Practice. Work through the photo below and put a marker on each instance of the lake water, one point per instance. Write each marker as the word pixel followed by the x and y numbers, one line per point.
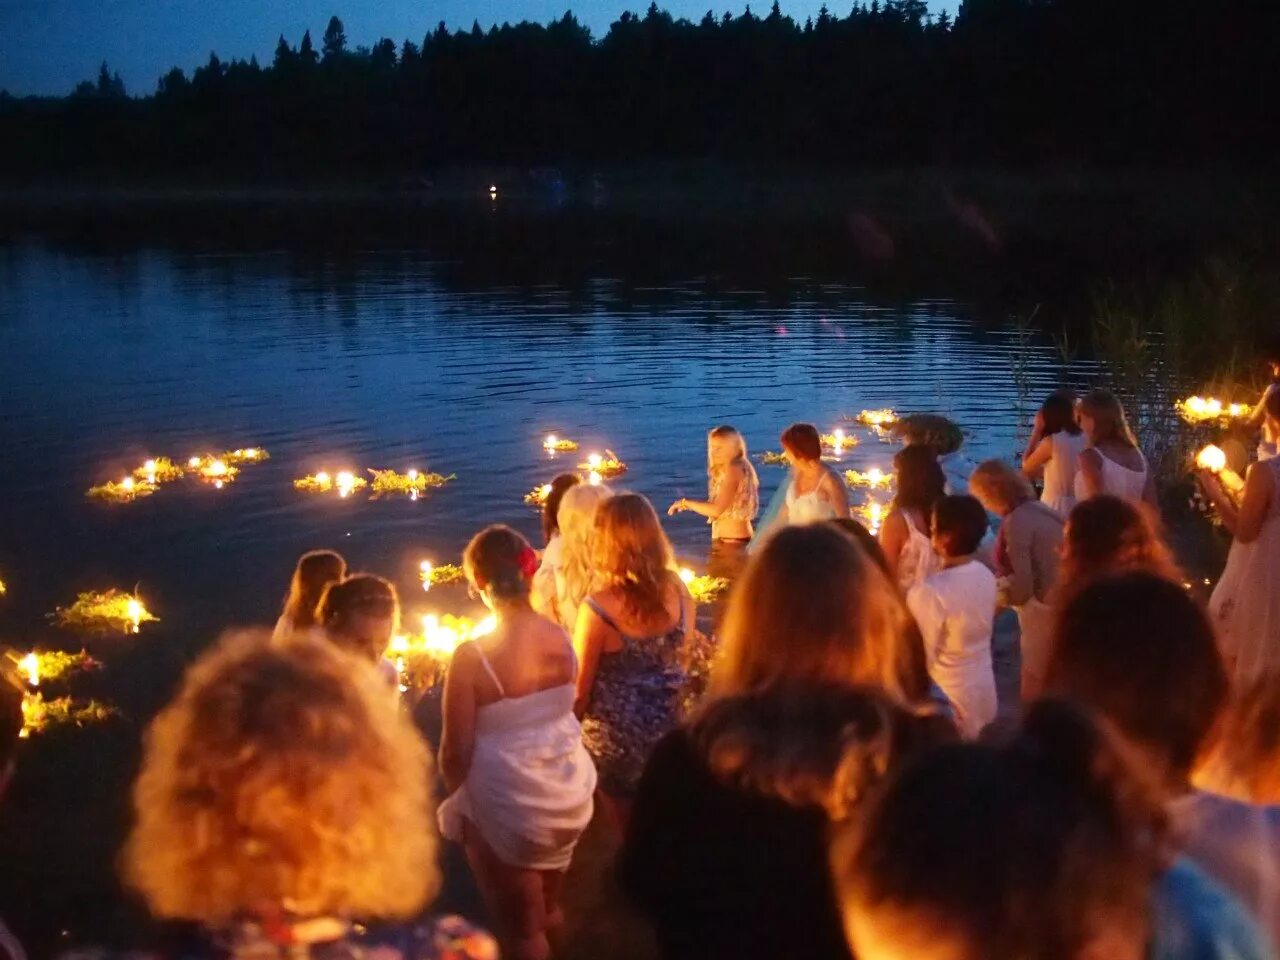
pixel 381 360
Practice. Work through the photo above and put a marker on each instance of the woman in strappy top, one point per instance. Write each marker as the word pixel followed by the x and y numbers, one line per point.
pixel 733 501
pixel 1112 463
pixel 520 782
pixel 1053 451
pixel 629 639
pixel 815 492
pixel 905 533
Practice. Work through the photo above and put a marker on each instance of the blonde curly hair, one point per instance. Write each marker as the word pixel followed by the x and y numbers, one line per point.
pixel 577 517
pixel 282 778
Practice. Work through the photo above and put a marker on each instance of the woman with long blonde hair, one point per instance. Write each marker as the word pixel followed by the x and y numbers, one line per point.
pixel 733 500
pixel 316 569
pixel 1112 463
pixel 283 800
pixel 559 595
pixel 629 637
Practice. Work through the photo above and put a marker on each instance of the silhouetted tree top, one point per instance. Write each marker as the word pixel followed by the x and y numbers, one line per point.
pixel 1004 82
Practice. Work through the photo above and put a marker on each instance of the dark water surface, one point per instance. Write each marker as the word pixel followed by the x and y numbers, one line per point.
pixel 378 360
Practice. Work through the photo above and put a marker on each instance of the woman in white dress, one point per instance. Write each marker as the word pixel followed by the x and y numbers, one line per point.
pixel 544 581
pixel 314 572
pixel 815 491
pixel 1246 602
pixel 560 590
pixel 905 534
pixel 519 780
pixel 1053 452
pixel 1112 463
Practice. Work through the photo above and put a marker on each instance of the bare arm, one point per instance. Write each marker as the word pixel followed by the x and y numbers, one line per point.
pixel 1037 457
pixel 837 494
pixel 1034 442
pixel 458 736
pixel 589 637
pixel 1259 415
pixel 1244 522
pixel 893 537
pixel 1090 468
pixel 713 509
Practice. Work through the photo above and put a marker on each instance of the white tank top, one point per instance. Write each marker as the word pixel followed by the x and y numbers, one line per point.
pixel 807 507
pixel 1060 471
pixel 1118 481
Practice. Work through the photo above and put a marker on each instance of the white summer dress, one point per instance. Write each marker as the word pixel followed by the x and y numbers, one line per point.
pixel 1246 602
pixel 804 508
pixel 1118 481
pixel 529 789
pixel 1060 471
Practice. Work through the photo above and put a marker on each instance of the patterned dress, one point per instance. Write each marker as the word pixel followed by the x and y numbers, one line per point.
pixel 635 701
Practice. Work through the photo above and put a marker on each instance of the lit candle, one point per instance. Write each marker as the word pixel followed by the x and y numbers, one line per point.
pixel 426 567
pixel 322 477
pixel 550 442
pixel 686 575
pixel 594 461
pixel 127 484
pixel 413 474
pixel 30 665
pixel 1211 458
pixel 839 436
pixel 594 479
pixel 135 612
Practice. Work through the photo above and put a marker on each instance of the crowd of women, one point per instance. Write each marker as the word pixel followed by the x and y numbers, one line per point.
pixel 846 784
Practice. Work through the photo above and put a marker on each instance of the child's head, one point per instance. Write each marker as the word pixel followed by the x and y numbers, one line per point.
pixel 802 443
pixel 1043 848
pixel 360 614
pixel 631 553
pixel 725 445
pixel 1102 418
pixel 813 606
pixel 500 564
pixel 959 524
pixel 999 487
pixel 1139 650
pixel 1106 534
pixel 315 571
pixel 1059 413
pixel 1244 759
pixel 551 506
pixel 931 430
pixel 920 480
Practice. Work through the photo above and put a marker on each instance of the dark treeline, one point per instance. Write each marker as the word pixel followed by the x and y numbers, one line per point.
pixel 1004 82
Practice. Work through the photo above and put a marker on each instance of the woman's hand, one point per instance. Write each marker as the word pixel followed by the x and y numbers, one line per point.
pixel 680 506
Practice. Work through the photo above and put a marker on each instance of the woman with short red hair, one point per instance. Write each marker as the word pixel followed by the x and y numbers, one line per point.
pixel 815 491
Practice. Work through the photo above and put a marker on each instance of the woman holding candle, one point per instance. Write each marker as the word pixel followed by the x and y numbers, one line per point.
pixel 1054 449
pixel 733 501
pixel 519 781
pixel 629 638
pixel 1027 554
pixel 1112 463
pixel 315 571
pixel 905 533
pixel 1246 602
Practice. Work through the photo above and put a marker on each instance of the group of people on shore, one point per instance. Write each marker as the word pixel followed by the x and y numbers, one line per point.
pixel 844 786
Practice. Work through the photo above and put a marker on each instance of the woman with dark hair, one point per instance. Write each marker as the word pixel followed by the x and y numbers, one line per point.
pixel 314 572
pixel 1054 449
pixel 815 492
pixel 544 581
pixel 905 533
pixel 1111 463
pixel 1044 848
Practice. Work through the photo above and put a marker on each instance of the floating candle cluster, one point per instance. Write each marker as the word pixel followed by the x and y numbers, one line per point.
pixel 875 478
pixel 553 444
pixel 411 483
pixel 704 589
pixel 877 418
pixel 1197 410
pixel 52 665
pixel 872 514
pixel 438 576
pixel 105 612
pixel 773 458
pixel 421 658
pixel 214 469
pixel 837 441
pixel 345 482
pixel 538 495
pixel 601 467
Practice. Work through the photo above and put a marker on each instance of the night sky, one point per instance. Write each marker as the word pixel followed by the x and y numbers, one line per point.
pixel 47 46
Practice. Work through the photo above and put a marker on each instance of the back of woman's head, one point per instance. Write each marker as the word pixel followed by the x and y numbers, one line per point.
pixel 315 571
pixel 812 606
pixel 501 562
pixel 1244 759
pixel 551 506
pixel 631 553
pixel 999 485
pixel 359 613
pixel 1059 412
pixel 282 779
pixel 1106 534
pixel 1106 412
pixel 866 540
pixel 1032 850
pixel 921 482
pixel 1138 649
pixel 820 745
pixel 802 441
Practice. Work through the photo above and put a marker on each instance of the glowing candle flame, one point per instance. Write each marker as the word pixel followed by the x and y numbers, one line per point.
pixel 550 442
pixel 594 479
pixel 30 665
pixel 426 567
pixel 218 468
pixel 127 484
pixel 193 462
pixel 1211 458
pixel 413 474
pixel 493 192
pixel 135 611
pixel 686 575
pixel 839 435
pixel 251 453
pixel 322 477
pixel 346 483
pixel 594 461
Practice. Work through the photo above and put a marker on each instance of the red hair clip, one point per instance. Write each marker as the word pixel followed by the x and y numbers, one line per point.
pixel 528 561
